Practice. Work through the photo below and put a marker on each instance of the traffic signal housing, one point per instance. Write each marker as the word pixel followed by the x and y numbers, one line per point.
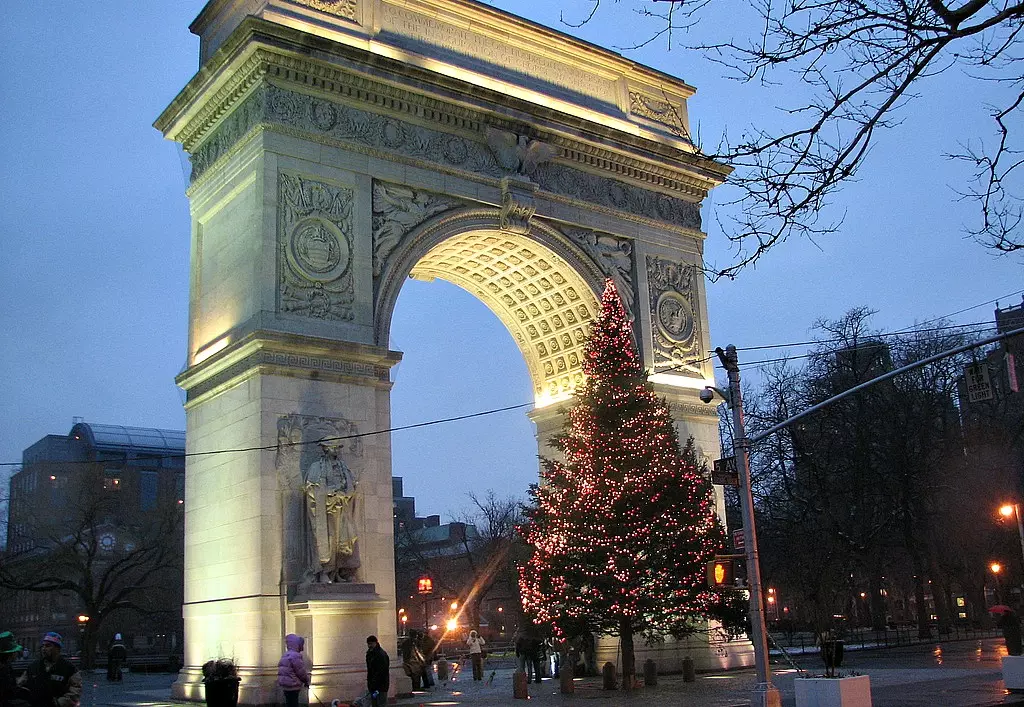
pixel 721 573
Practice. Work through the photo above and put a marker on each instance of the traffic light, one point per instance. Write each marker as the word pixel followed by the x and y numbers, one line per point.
pixel 721 573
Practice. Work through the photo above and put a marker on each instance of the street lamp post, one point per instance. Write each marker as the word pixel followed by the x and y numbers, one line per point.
pixel 996 568
pixel 765 694
pixel 1013 509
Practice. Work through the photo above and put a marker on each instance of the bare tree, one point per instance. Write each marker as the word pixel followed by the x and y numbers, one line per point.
pixel 103 564
pixel 851 67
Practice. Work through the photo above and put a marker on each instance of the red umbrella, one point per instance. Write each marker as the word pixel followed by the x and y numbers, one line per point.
pixel 999 609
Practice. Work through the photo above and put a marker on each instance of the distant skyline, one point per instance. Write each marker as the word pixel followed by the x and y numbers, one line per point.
pixel 95 236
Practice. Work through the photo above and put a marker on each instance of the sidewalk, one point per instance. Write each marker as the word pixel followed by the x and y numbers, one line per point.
pixel 952 675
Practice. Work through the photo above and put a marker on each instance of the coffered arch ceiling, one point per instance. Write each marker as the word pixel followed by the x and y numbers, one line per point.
pixel 544 301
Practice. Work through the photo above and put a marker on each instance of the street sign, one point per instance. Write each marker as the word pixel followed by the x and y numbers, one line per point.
pixel 725 472
pixel 979 386
pixel 738 540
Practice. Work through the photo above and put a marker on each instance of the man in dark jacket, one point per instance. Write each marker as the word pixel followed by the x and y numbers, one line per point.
pixel 52 681
pixel 378 665
pixel 117 653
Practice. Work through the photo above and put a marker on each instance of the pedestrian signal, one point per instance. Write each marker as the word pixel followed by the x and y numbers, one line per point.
pixel 721 574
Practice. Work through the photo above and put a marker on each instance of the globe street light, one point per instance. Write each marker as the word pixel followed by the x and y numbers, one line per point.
pixel 995 568
pixel 1008 510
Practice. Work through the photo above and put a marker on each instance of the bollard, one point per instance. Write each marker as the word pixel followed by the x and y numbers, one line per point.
pixel 519 689
pixel 442 669
pixel 650 673
pixel 565 676
pixel 608 671
pixel 689 674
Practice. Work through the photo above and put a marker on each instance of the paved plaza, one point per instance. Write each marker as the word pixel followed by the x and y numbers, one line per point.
pixel 959 674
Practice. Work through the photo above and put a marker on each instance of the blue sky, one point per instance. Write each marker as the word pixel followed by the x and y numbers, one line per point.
pixel 95 236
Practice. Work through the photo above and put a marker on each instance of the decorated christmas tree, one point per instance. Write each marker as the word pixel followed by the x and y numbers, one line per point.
pixel 622 530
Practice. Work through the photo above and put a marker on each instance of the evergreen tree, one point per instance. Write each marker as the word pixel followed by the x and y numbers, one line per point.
pixel 622 530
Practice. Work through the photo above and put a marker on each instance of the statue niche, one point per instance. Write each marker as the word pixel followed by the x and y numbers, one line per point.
pixel 321 498
pixel 330 496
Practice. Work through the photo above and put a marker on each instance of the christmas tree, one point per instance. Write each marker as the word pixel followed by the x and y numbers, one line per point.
pixel 622 530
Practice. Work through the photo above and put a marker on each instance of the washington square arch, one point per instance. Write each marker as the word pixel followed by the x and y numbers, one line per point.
pixel 338 148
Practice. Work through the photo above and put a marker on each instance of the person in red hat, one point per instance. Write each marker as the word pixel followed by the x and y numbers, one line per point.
pixel 52 681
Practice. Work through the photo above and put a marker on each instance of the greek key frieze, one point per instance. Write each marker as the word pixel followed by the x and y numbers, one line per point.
pixel 314 249
pixel 674 314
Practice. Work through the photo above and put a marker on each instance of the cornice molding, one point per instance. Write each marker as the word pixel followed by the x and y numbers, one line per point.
pixel 259 59
pixel 276 353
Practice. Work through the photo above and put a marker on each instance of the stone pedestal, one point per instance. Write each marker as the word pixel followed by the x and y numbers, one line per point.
pixel 833 692
pixel 1013 673
pixel 336 619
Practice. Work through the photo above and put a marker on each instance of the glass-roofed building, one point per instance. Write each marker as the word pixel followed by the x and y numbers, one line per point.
pixel 118 489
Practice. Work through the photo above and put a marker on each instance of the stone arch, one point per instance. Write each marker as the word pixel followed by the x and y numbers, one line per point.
pixel 542 287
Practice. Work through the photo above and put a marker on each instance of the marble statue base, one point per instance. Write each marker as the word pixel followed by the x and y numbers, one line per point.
pixel 336 619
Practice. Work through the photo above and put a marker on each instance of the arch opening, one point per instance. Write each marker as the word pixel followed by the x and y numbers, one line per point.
pixel 544 300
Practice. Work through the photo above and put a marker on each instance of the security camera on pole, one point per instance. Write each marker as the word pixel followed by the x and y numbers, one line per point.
pixel 765 694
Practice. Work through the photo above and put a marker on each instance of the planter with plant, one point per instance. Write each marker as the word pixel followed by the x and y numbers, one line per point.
pixel 220 682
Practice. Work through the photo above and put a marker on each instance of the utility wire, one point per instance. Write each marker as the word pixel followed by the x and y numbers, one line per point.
pixel 494 411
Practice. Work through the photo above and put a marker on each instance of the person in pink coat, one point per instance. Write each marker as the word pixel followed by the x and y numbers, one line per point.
pixel 292 675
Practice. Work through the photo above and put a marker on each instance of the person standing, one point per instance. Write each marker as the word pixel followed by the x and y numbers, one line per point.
pixel 292 675
pixel 378 678
pixel 476 654
pixel 52 681
pixel 10 694
pixel 116 655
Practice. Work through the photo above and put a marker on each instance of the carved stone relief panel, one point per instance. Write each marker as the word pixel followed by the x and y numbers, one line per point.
pixel 613 255
pixel 675 315
pixel 314 239
pixel 494 155
pixel 659 111
pixel 339 8
pixel 322 497
pixel 397 210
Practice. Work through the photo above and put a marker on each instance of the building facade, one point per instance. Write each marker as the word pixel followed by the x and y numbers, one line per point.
pixel 99 509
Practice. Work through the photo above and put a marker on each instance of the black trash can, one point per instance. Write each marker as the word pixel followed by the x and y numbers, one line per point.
pixel 221 692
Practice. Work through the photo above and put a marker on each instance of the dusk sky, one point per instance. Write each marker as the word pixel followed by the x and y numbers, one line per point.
pixel 95 237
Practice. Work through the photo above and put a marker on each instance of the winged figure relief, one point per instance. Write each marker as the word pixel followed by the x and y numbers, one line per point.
pixel 518 153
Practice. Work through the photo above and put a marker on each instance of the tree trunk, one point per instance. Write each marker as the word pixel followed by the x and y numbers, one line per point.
pixel 924 629
pixel 877 602
pixel 628 658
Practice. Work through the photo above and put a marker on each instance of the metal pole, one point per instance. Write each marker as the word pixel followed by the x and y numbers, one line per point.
pixel 765 694
pixel 1020 532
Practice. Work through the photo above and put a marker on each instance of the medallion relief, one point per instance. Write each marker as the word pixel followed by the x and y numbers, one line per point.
pixel 674 314
pixel 314 249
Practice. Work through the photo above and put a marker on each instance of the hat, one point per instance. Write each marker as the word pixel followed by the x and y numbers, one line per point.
pixel 7 644
pixel 54 638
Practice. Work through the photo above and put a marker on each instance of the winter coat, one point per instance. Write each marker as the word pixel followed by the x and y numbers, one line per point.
pixel 291 669
pixel 475 643
pixel 377 666
pixel 57 684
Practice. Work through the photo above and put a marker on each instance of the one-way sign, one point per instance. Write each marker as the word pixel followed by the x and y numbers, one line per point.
pixel 725 473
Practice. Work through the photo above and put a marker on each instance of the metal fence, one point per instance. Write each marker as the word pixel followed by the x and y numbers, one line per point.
pixel 805 642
